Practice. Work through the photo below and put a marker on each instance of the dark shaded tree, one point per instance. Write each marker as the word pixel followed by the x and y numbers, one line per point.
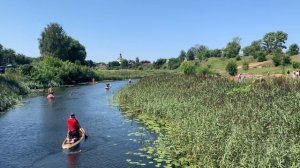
pixel 203 52
pixel 215 53
pixel 293 50
pixel 54 42
pixel 182 56
pixel 173 63
pixel 250 50
pixel 274 41
pixel 159 63
pixel 191 54
pixel 233 48
pixel 76 51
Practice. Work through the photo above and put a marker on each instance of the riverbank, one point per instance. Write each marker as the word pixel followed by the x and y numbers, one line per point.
pixel 215 122
pixel 11 92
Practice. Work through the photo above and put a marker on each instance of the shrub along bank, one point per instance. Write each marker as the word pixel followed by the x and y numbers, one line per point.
pixel 11 90
pixel 213 122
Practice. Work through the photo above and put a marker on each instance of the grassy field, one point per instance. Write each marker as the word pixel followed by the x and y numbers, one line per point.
pixel 256 68
pixel 214 122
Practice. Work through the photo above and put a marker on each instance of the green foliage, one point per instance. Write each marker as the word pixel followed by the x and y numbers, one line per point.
pixel 188 67
pixel 203 52
pixel 296 65
pixel 215 53
pixel 114 65
pixel 214 122
pixel 204 71
pixel 260 55
pixel 274 41
pixel 245 65
pixel 253 48
pixel 286 60
pixel 231 68
pixel 191 54
pixel 55 42
pixel 76 51
pixel 277 59
pixel 182 56
pixel 128 73
pixel 173 63
pixel 293 50
pixel 159 63
pixel 9 56
pixel 233 48
pixel 12 85
pixel 53 70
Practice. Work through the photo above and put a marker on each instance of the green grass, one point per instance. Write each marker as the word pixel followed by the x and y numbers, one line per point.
pixel 213 122
pixel 126 74
pixel 218 65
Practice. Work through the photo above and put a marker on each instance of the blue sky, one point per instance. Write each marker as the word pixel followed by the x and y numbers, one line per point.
pixel 148 29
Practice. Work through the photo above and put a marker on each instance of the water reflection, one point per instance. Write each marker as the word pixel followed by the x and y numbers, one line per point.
pixel 72 159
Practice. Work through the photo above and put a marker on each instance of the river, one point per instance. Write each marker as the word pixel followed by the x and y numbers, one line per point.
pixel 31 134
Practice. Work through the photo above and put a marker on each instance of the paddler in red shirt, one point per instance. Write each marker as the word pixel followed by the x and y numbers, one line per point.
pixel 73 128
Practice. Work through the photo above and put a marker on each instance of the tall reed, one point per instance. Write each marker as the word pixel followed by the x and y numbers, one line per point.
pixel 214 122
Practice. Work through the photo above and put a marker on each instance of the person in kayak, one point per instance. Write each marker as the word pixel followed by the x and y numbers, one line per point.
pixel 73 129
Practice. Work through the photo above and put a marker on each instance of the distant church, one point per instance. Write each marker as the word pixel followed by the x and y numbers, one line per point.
pixel 120 59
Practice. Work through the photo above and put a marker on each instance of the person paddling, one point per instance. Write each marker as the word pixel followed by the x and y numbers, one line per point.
pixel 73 129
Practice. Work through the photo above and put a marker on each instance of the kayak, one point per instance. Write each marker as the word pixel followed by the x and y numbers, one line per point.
pixel 107 87
pixel 76 144
pixel 50 96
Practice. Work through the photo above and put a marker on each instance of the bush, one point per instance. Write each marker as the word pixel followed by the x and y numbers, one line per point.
pixel 286 60
pixel 277 60
pixel 188 67
pixel 245 65
pixel 53 70
pixel 296 64
pixel 231 68
pixel 261 56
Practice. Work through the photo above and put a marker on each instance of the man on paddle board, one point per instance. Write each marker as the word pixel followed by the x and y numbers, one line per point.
pixel 73 128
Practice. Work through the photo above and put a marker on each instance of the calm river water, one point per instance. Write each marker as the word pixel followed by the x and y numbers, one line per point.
pixel 31 134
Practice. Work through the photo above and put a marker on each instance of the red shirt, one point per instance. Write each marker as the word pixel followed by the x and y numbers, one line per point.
pixel 73 124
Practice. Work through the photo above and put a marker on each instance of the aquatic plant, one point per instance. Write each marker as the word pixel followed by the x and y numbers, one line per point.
pixel 215 122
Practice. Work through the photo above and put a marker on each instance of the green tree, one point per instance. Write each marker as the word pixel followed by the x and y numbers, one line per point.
pixel 182 56
pixel 215 53
pixel 173 63
pixel 233 48
pixel 231 68
pixel 293 49
pixel 159 63
pixel 113 65
pixel 274 40
pixel 191 54
pixel 253 48
pixel 76 51
pixel 260 55
pixel 277 58
pixel 203 52
pixel 124 63
pixel 54 42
